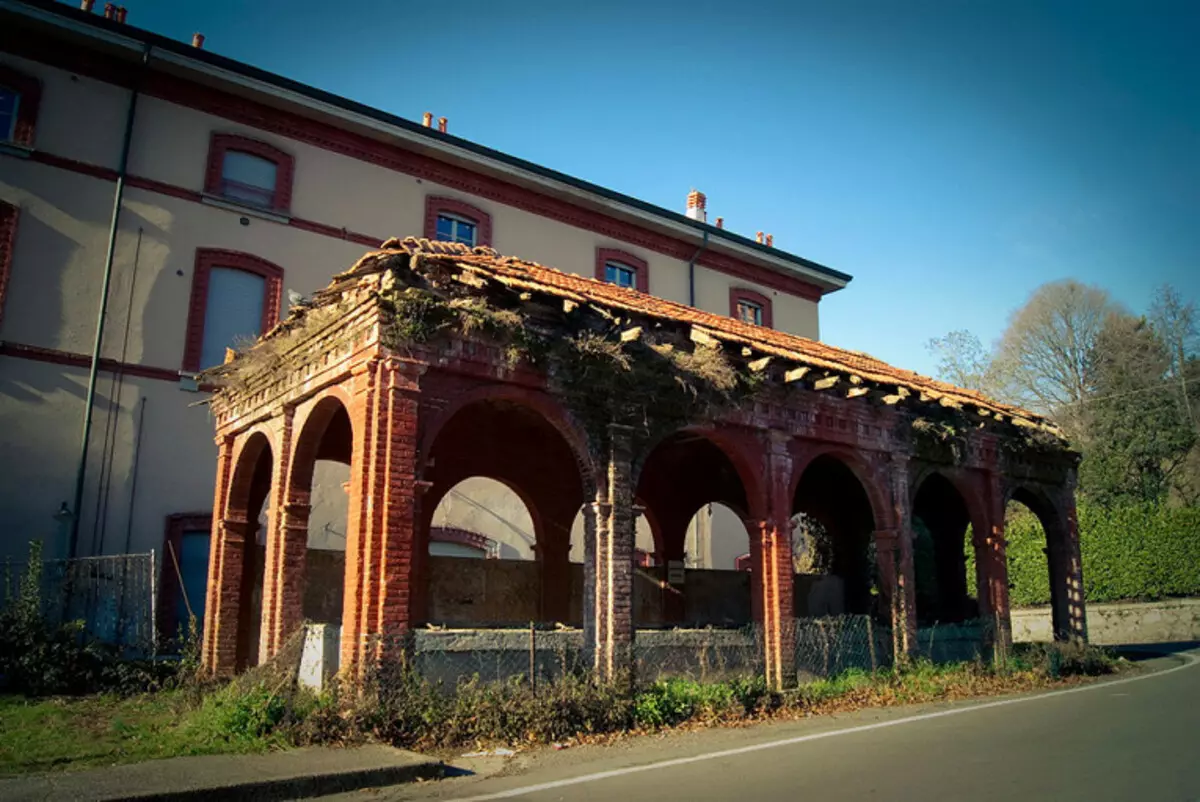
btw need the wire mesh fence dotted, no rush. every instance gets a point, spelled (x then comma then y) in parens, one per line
(828, 646)
(114, 596)
(963, 641)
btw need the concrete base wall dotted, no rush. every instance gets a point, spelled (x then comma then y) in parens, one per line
(1169, 621)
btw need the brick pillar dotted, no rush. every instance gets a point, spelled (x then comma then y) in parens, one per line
(772, 580)
(229, 558)
(991, 558)
(383, 559)
(273, 570)
(772, 603)
(289, 582)
(608, 577)
(904, 598)
(887, 560)
(212, 590)
(1067, 572)
(555, 566)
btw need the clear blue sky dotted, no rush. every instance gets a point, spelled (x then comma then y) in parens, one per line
(952, 156)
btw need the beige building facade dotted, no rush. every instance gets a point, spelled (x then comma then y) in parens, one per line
(238, 192)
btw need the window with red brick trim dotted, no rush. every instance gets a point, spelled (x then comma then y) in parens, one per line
(751, 307)
(249, 172)
(442, 216)
(185, 554)
(209, 260)
(20, 96)
(8, 241)
(619, 267)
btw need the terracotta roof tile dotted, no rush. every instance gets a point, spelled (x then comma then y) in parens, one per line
(532, 276)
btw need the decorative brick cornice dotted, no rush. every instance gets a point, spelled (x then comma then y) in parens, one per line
(206, 260)
(9, 215)
(737, 294)
(30, 89)
(606, 255)
(439, 204)
(285, 165)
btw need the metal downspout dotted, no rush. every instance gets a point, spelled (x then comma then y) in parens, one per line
(692, 271)
(122, 168)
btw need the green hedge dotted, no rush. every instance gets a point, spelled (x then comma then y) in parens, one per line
(1135, 552)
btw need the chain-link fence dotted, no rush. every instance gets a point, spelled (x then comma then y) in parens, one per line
(964, 641)
(828, 646)
(114, 596)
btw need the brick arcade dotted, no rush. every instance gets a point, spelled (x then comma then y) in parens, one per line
(428, 363)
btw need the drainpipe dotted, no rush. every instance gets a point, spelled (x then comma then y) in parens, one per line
(692, 271)
(122, 167)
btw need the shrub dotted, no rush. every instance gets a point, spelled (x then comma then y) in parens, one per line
(1064, 659)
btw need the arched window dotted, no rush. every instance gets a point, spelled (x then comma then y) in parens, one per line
(249, 172)
(750, 307)
(623, 269)
(235, 297)
(451, 220)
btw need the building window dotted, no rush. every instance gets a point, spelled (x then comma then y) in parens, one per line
(750, 312)
(10, 102)
(185, 557)
(249, 172)
(451, 220)
(235, 298)
(453, 228)
(20, 96)
(623, 269)
(750, 307)
(621, 275)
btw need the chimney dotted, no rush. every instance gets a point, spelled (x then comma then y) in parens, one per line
(121, 12)
(770, 240)
(696, 203)
(427, 120)
(720, 222)
(758, 237)
(198, 41)
(86, 5)
(110, 10)
(442, 124)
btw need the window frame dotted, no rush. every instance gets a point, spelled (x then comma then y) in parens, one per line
(461, 220)
(168, 587)
(9, 216)
(739, 294)
(285, 165)
(640, 267)
(206, 260)
(438, 205)
(29, 99)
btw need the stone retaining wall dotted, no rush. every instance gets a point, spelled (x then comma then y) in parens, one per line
(1170, 621)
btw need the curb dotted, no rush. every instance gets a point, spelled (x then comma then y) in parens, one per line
(279, 788)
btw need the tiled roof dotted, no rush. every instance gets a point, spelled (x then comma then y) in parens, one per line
(802, 351)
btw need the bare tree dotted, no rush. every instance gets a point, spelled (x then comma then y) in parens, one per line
(961, 360)
(1175, 322)
(1044, 360)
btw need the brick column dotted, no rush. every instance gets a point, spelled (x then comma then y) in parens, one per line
(212, 590)
(228, 557)
(289, 582)
(554, 560)
(276, 542)
(608, 578)
(1067, 572)
(991, 558)
(383, 559)
(772, 574)
(904, 597)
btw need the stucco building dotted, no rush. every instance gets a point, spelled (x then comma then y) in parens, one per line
(227, 182)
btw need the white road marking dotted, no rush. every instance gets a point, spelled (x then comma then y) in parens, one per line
(878, 725)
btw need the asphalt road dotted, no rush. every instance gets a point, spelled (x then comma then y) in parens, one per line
(1133, 739)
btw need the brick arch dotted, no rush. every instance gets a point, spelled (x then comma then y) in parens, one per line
(248, 450)
(879, 498)
(309, 444)
(946, 509)
(967, 488)
(540, 402)
(742, 454)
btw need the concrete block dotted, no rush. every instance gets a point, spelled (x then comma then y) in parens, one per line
(319, 658)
